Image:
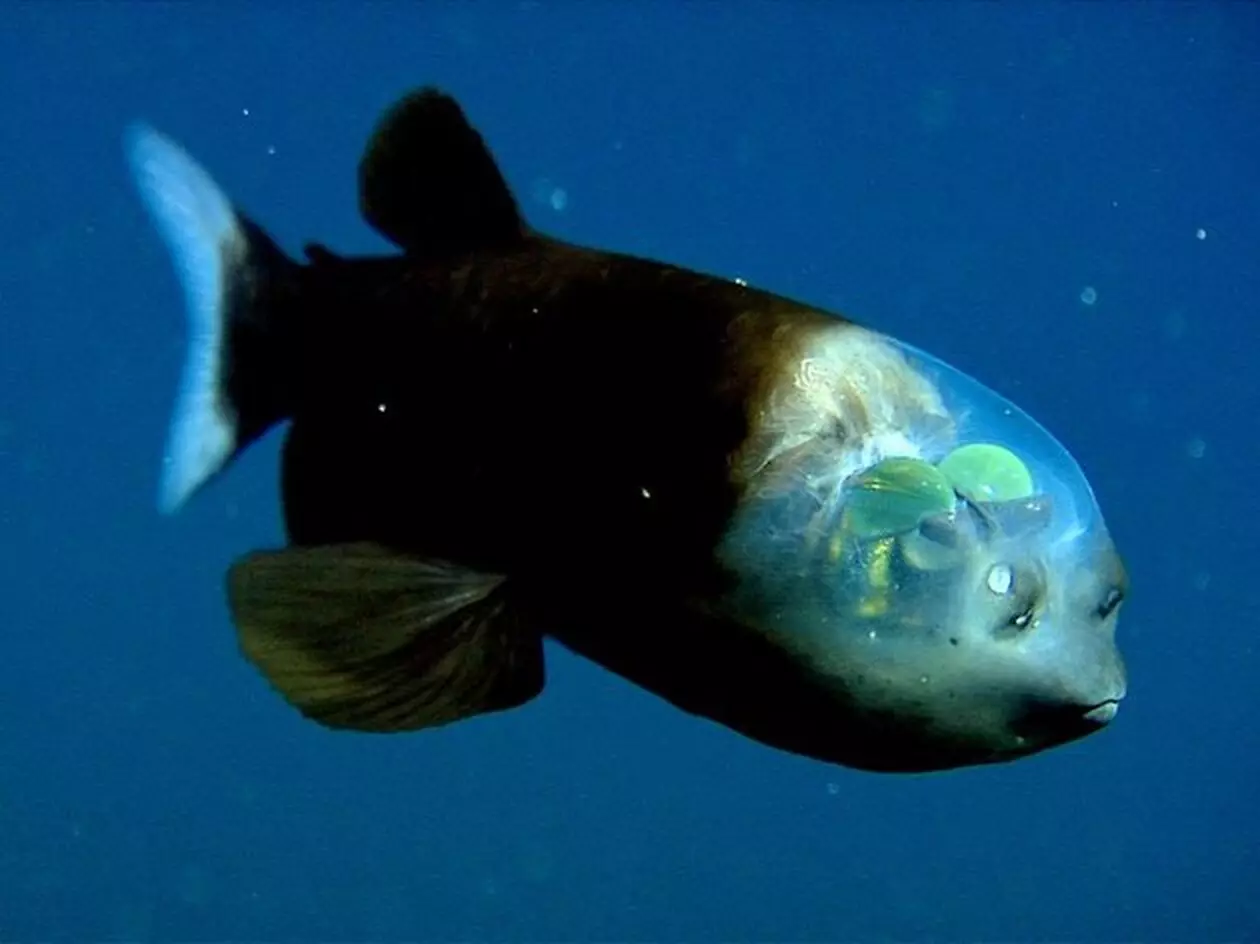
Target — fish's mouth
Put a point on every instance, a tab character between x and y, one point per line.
1060	722
1102	713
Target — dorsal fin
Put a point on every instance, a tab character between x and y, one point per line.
428	183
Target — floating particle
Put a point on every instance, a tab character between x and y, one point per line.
1196	448
548	193
1089	295
1200	234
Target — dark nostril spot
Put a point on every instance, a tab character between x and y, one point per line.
1112	599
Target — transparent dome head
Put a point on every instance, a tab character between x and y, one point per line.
912	534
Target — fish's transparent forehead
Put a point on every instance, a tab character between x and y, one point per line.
988	436
869	438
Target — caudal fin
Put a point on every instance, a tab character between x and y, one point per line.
240	294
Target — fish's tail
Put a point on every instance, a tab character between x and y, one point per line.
240	294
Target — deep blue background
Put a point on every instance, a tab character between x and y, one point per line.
955	174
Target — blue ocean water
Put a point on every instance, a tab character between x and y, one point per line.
1059	198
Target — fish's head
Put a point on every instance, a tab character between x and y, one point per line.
934	560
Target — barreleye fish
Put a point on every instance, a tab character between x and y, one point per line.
814	534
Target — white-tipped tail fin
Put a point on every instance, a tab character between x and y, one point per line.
221	260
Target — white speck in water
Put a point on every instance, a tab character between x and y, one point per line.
1089	295
546	192
245	112
1200	234
645	493
923	679
872	634
381	407
833	789
1201	581
271	150
1196	448
742	283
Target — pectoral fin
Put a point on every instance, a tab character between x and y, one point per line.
357	636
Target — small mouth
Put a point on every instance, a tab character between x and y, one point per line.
1058	722
1102	713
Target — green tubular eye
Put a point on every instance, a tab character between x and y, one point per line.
987	472
895	495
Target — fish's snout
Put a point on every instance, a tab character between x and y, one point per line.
1105	708
1091	679
1061	719
1100	707
1103	713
